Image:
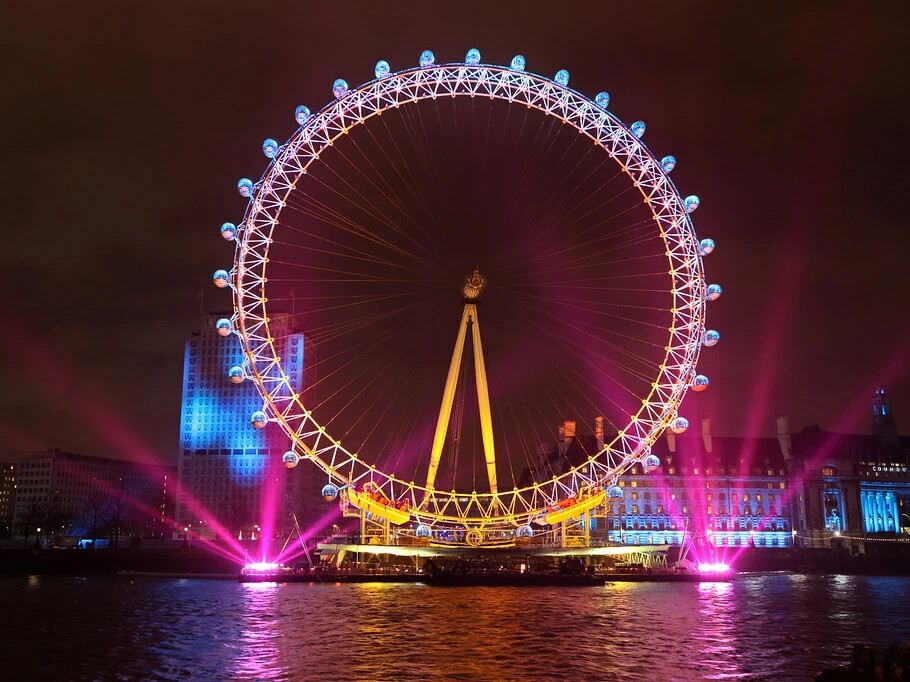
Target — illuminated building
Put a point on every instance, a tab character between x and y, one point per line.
72	494
814	487
7	497
856	486
224	462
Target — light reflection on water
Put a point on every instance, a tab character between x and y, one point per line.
771	627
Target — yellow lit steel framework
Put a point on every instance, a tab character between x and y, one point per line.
473	286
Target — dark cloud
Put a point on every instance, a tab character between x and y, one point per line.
125	127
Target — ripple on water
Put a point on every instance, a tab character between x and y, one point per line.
771	627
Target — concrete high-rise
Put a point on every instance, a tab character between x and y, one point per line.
224	462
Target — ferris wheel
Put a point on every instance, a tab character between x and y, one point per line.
397	214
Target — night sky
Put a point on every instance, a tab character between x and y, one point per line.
125	129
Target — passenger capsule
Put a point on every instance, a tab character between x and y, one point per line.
224	327
650	463
228	230
259	419
602	100
382	69
700	383
714	292
562	77
423	531
290	458
221	278
615	492
340	88
712	336
692	201
302	114
668	163
427	58
518	63
705	246
329	492
236	375
269	148
245	187
472	57
524	531
638	128
680	424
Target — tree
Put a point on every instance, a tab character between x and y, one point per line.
28	519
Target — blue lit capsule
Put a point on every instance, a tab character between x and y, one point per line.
650	463
221	278
714	291
562	77
236	375
340	88
602	100
423	531
223	327
615	493
269	147
228	230
329	492
245	187
712	336
668	163
382	69
692	201
302	114
518	63
472	57
290	458
680	424
700	383
258	419
705	246
427	58
524	531
638	128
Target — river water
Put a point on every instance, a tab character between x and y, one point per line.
757	628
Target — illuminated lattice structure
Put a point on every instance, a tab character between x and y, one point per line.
498	516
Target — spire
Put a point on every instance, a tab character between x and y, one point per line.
883	424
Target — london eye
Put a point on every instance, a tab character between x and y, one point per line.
409	208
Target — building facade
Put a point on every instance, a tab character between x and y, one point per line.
812	488
7	498
855	486
226	466
68	494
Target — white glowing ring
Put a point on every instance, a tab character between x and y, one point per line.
505	510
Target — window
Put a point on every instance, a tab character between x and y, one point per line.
672	471
708	497
634	484
634	508
710	511
634	496
672	496
746	497
782	484
695	471
771	497
758	497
